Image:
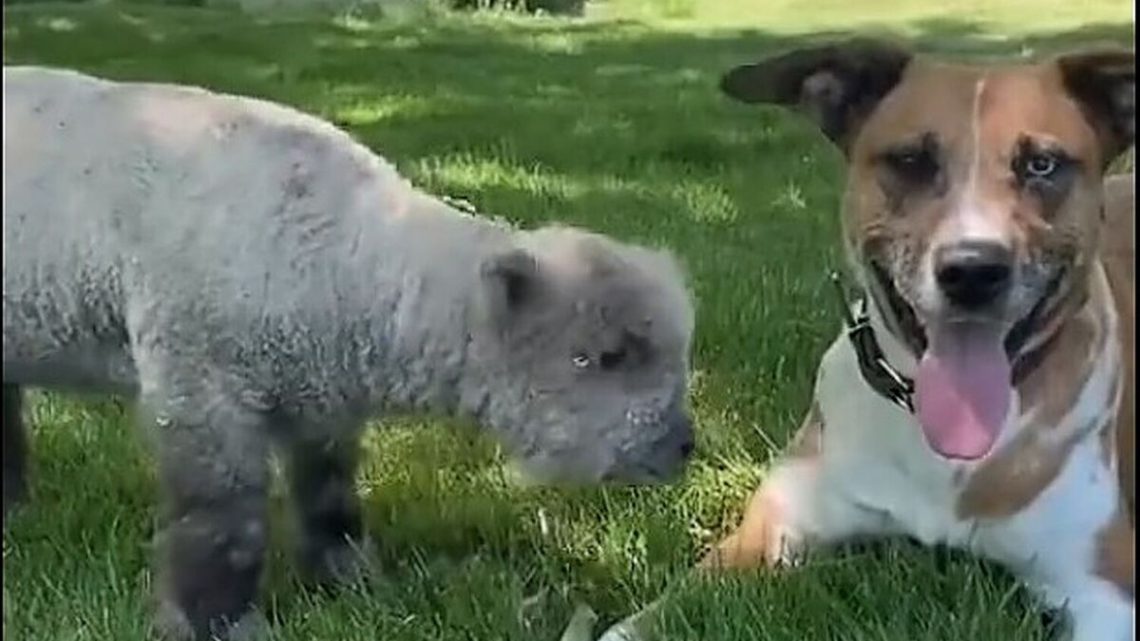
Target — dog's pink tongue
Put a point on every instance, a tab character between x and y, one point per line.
962	390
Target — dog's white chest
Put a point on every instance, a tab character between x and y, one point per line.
874	454
875	458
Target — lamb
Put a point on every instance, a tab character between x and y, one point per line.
259	282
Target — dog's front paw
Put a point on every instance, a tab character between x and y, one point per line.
638	627
622	631
631	629
172	624
791	550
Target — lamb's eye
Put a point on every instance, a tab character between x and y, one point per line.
610	360
581	361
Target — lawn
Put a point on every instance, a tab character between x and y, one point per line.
612	122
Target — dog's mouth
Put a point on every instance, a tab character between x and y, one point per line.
904	323
966	367
899	315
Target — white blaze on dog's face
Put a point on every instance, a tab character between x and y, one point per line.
587	342
972	208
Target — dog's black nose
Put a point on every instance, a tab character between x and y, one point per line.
974	274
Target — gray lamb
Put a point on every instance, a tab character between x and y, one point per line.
257	279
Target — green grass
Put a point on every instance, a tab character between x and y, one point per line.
614	123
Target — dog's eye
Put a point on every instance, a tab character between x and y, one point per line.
610	360
1041	166
914	165
581	361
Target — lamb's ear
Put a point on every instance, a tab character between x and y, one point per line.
511	281
1104	83
836	85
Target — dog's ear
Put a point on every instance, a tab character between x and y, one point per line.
836	85
1104	84
511	281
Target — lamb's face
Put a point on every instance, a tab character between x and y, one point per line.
583	345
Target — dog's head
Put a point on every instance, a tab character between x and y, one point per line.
973	204
583	349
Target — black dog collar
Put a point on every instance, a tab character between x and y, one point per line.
879	374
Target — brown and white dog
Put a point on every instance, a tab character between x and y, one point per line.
986	399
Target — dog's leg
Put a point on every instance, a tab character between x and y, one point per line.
15	448
333	548
1099	601
1099	612
791	510
771	532
213	467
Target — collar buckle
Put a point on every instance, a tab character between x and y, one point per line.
879	374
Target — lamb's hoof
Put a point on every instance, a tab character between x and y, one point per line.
345	565
172	624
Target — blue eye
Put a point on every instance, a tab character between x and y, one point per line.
1045	167
1041	166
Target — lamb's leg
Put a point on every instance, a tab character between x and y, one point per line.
15	448
332	548
213	466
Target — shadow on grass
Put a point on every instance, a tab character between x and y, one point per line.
614	127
